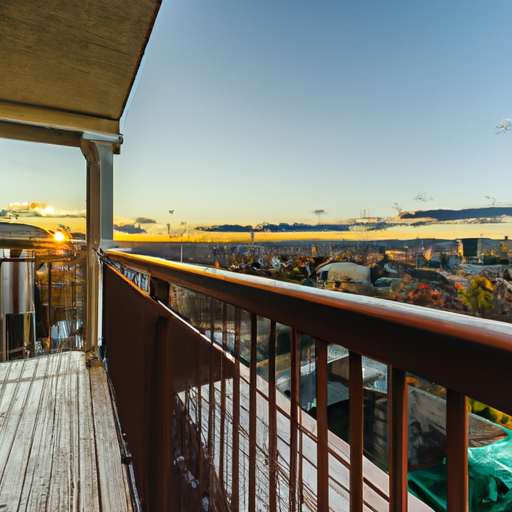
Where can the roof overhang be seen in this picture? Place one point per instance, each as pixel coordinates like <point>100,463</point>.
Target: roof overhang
<point>67,68</point>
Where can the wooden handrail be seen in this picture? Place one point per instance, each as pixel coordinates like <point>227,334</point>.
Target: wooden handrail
<point>471,356</point>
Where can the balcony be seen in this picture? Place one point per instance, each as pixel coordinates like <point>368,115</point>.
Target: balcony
<point>228,392</point>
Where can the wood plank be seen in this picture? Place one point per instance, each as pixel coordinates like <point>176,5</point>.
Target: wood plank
<point>48,455</point>
<point>110,472</point>
<point>89,487</point>
<point>16,393</point>
<point>6,389</point>
<point>65,481</point>
<point>35,490</point>
<point>59,488</point>
<point>13,473</point>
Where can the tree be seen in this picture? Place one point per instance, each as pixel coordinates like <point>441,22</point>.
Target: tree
<point>478,297</point>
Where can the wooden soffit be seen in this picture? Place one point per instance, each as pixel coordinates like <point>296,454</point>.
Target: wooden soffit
<point>68,66</point>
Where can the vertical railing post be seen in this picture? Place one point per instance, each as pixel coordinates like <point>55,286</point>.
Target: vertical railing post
<point>356,431</point>
<point>199,430</point>
<point>235,476</point>
<point>99,226</point>
<point>253,412</point>
<point>457,451</point>
<point>50,307</point>
<point>398,437</point>
<point>294,410</point>
<point>322,453</point>
<point>272,418</point>
<point>223,397</point>
<point>211,410</point>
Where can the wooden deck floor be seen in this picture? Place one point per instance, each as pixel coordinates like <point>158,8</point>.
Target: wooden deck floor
<point>58,443</point>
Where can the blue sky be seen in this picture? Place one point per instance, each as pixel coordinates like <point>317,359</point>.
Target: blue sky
<point>266,110</point>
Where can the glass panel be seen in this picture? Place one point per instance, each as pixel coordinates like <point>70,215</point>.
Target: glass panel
<point>337,391</point>
<point>375,397</point>
<point>263,339</point>
<point>307,400</point>
<point>193,306</point>
<point>59,301</point>
<point>227,447</point>
<point>216,321</point>
<point>229,328</point>
<point>262,450</point>
<point>243,473</point>
<point>218,440</point>
<point>338,484</point>
<point>283,459</point>
<point>489,450</point>
<point>309,470</point>
<point>245,337</point>
<point>427,441</point>
<point>262,365</point>
<point>283,361</point>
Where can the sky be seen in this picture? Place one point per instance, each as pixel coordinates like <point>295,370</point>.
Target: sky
<point>267,110</point>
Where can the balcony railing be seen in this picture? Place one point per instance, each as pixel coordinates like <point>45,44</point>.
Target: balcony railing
<point>207,425</point>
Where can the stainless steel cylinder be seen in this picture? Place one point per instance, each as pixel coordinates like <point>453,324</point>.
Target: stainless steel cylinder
<point>17,309</point>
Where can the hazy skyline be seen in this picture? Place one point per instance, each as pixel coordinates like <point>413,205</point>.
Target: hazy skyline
<point>248,112</point>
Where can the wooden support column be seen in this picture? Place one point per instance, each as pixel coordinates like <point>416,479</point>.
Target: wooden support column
<point>100,226</point>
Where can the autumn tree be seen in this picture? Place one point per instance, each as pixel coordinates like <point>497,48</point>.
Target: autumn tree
<point>478,297</point>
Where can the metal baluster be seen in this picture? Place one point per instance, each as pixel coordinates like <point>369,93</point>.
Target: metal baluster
<point>223,397</point>
<point>211,409</point>
<point>235,498</point>
<point>457,451</point>
<point>272,418</point>
<point>398,430</point>
<point>252,414</point>
<point>356,432</point>
<point>294,406</point>
<point>322,453</point>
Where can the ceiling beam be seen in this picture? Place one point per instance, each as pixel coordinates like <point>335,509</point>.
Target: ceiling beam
<point>31,133</point>
<point>54,119</point>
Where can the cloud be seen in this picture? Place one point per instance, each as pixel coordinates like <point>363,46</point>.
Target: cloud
<point>144,220</point>
<point>131,229</point>
<point>26,209</point>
